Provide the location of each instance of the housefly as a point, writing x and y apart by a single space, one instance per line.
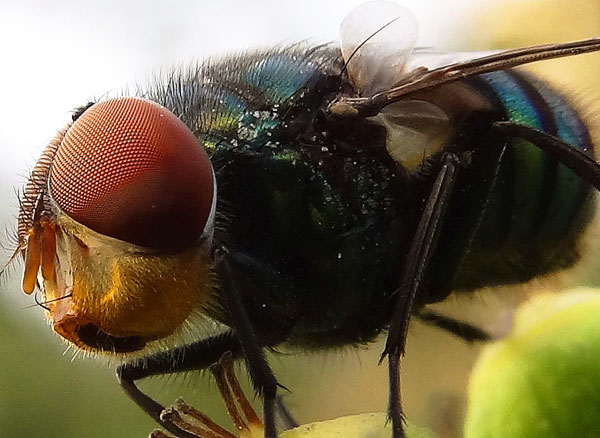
313 196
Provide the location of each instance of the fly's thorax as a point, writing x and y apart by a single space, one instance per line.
120 289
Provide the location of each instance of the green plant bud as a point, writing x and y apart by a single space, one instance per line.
543 380
373 425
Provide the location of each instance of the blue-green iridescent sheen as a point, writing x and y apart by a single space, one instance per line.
569 189
280 76
529 162
236 116
536 206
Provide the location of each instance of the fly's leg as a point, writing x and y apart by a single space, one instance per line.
196 356
463 330
285 416
586 167
261 375
188 418
242 342
425 241
416 263
582 164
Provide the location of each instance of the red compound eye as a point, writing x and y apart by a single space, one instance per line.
129 169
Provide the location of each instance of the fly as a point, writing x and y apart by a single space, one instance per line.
309 196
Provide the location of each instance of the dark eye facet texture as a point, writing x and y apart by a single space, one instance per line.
130 169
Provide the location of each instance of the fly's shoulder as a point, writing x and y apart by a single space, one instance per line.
251 100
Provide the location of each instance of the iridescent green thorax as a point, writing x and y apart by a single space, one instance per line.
239 101
244 108
310 214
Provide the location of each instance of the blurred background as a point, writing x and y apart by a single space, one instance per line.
57 55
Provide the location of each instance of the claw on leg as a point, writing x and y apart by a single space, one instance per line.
191 420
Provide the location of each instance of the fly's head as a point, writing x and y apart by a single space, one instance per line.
116 226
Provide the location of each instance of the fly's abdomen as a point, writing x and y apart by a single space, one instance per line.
537 207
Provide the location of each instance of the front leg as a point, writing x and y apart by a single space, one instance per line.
197 356
262 376
243 416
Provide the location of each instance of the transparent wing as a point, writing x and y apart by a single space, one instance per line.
378 45
430 58
377 41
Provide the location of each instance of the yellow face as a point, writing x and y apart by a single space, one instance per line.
110 296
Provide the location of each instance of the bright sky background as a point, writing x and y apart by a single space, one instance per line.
58 54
